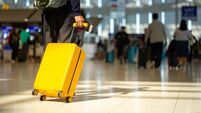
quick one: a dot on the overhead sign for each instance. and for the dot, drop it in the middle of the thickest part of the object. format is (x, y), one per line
(118, 8)
(114, 7)
(189, 13)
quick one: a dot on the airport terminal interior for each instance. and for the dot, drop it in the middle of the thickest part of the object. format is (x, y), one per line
(106, 84)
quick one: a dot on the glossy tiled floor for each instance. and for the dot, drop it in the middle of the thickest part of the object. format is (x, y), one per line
(106, 88)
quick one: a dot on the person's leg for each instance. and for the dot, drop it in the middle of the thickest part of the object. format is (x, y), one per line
(52, 22)
(152, 52)
(125, 53)
(46, 31)
(66, 30)
(185, 53)
(179, 54)
(180, 62)
(15, 52)
(158, 54)
(120, 55)
(54, 34)
(152, 55)
(184, 61)
(113, 56)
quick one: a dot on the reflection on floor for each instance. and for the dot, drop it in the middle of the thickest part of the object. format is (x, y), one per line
(106, 88)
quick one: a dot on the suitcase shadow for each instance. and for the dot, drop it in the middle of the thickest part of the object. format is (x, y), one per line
(81, 96)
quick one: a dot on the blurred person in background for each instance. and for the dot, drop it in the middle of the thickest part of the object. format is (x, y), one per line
(24, 41)
(182, 36)
(101, 50)
(156, 33)
(122, 42)
(13, 41)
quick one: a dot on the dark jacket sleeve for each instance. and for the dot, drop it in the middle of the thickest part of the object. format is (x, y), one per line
(76, 7)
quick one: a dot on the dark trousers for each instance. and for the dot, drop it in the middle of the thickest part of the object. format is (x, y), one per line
(14, 52)
(122, 52)
(57, 25)
(156, 53)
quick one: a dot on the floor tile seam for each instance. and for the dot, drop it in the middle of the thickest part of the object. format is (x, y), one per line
(170, 91)
(19, 101)
(158, 97)
(145, 85)
(118, 105)
(177, 99)
(12, 94)
(46, 111)
(154, 97)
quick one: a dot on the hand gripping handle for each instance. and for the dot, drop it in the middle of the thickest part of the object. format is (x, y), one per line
(86, 27)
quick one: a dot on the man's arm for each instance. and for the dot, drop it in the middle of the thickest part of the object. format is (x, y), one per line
(76, 7)
(77, 12)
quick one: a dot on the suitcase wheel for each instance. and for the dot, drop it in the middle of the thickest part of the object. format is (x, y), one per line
(60, 94)
(68, 99)
(34, 92)
(74, 94)
(42, 98)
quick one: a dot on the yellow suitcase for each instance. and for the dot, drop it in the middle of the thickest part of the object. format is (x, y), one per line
(59, 71)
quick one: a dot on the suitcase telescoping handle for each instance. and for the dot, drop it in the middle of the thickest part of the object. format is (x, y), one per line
(86, 27)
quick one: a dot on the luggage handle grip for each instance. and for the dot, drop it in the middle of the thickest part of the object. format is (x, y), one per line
(86, 27)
